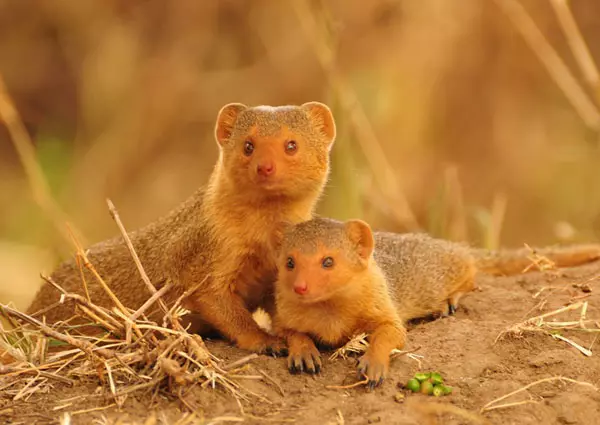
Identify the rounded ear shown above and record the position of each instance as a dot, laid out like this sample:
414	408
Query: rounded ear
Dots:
361	235
226	120
322	118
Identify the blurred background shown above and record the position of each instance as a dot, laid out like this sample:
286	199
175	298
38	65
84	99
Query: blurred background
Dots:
473	120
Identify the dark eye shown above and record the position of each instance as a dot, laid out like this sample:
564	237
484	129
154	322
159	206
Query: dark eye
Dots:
327	262
290	263
248	148
291	147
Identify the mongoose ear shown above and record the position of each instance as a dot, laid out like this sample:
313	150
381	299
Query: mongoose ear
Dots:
322	118
360	234
226	120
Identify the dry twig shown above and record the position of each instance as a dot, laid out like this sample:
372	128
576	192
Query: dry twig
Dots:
489	405
115	215
345	387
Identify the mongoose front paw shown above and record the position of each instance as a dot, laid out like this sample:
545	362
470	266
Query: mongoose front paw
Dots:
265	344
374	369
306	359
276	348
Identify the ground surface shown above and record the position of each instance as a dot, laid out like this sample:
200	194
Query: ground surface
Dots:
462	348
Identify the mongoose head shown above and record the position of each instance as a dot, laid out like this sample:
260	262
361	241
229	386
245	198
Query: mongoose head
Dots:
322	258
279	151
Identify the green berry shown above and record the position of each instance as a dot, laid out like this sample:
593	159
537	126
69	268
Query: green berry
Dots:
413	385
421	376
436	378
447	390
438	390
427	387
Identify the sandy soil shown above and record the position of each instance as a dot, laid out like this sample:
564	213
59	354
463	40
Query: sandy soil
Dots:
462	348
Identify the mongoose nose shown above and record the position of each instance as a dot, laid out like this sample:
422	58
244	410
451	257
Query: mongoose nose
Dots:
265	169
300	288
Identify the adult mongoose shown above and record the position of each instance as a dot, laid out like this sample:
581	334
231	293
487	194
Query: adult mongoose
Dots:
272	167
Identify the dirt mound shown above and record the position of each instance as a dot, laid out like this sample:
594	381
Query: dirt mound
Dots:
465	348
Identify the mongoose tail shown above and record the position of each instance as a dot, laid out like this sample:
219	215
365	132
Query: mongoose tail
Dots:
513	262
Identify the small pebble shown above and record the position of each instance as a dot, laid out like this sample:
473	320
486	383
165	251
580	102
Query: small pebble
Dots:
399	397
374	419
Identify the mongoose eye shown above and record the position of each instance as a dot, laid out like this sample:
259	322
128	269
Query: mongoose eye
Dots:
291	147
248	148
290	263
327	262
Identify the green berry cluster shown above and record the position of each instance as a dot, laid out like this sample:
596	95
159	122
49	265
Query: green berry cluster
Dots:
430	383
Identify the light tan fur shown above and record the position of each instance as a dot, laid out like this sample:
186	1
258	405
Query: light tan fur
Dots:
225	235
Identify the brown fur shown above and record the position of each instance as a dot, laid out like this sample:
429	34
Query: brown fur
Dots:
224	235
376	284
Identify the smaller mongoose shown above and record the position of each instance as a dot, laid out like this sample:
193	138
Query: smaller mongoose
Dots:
337	280
272	167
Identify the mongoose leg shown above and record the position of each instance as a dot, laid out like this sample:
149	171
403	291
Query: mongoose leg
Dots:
195	324
229	315
453	302
303	354
376	361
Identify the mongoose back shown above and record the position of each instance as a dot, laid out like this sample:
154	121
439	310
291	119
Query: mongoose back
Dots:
272	167
339	279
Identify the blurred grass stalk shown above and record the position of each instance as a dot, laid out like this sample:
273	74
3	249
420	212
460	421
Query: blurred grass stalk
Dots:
363	130
35	176
556	67
578	46
346	204
446	217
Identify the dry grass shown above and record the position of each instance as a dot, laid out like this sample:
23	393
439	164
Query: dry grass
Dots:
358	344
129	355
556	328
553	327
163	359
493	405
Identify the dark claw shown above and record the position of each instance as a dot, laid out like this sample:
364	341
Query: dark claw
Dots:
372	384
298	364
276	353
451	309
296	367
360	373
314	367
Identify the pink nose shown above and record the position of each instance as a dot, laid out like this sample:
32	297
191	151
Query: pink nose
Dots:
300	288
265	169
